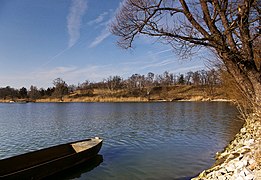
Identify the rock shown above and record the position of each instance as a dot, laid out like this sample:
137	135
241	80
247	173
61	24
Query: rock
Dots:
250	142
250	177
241	164
242	173
230	167
238	177
223	171
248	174
251	161
221	177
243	130
257	175
252	166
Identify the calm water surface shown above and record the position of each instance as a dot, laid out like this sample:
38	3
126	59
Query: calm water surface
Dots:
141	140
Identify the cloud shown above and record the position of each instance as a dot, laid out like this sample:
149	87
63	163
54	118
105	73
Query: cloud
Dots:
54	57
162	51
74	18
190	68
151	59
44	77
74	74
99	19
101	22
101	37
71	74
159	64
56	72
49	74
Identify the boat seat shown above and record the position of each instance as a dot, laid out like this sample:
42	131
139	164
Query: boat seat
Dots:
81	146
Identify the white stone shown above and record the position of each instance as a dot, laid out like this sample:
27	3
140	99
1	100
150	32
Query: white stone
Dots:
251	161
240	165
244	160
248	173
250	177
242	173
230	167
251	141
243	130
239	178
221	177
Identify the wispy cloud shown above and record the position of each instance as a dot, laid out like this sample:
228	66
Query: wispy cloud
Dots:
101	21
40	78
163	51
56	72
159	64
99	18
101	37
71	74
74	19
149	57
54	57
190	68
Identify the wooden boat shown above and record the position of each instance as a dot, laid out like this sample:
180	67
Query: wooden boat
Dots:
46	162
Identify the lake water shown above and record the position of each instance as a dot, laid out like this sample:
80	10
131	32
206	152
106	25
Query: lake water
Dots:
168	140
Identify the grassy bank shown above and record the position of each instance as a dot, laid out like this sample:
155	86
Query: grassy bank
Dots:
170	93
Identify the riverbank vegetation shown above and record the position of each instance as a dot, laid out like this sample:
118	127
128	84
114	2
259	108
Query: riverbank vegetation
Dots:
198	85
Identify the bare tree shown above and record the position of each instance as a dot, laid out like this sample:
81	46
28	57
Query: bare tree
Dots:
61	88
203	77
196	78
114	83
188	77
229	28
181	79
34	93
212	80
149	83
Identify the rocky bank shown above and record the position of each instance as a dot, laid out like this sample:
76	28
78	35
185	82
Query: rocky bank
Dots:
241	159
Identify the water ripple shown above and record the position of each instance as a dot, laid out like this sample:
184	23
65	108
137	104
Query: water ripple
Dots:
141	140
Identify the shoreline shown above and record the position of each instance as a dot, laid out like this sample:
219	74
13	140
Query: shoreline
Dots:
241	158
113	99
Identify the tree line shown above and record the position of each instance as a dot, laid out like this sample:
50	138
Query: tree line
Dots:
136	84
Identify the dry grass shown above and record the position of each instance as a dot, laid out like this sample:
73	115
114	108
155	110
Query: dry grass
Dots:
96	99
182	92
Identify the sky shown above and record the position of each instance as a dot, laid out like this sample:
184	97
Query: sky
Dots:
41	40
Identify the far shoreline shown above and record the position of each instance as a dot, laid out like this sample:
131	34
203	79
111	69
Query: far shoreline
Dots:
115	100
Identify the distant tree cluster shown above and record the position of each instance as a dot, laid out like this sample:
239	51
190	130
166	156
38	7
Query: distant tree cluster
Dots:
136	84
138	81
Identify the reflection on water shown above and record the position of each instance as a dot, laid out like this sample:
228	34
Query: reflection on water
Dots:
77	171
141	140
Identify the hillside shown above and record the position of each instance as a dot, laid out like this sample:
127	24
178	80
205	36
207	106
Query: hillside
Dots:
170	93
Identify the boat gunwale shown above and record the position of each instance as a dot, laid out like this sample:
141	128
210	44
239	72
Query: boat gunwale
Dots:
47	148
53	160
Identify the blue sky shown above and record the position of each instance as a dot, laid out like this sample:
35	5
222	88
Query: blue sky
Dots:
41	40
